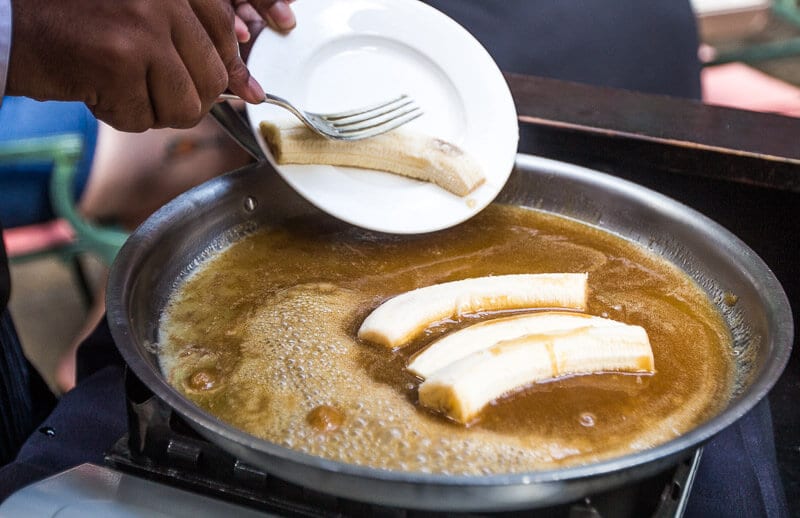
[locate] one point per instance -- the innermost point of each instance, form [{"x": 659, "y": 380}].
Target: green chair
[
  {"x": 786, "y": 10},
  {"x": 64, "y": 151}
]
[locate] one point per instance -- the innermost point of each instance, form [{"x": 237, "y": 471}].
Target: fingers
[
  {"x": 132, "y": 112},
  {"x": 199, "y": 51},
  {"x": 176, "y": 72},
  {"x": 178, "y": 98},
  {"x": 281, "y": 16},
  {"x": 277, "y": 12},
  {"x": 258, "y": 14},
  {"x": 149, "y": 63},
  {"x": 255, "y": 24},
  {"x": 184, "y": 82},
  {"x": 241, "y": 83},
  {"x": 241, "y": 30},
  {"x": 218, "y": 19}
]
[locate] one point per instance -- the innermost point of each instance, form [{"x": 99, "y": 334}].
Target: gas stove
[
  {"x": 162, "y": 467},
  {"x": 162, "y": 448}
]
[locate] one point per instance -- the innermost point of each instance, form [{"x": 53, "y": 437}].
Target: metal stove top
[{"x": 162, "y": 460}]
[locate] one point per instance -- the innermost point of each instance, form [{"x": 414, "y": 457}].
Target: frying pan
[{"x": 196, "y": 225}]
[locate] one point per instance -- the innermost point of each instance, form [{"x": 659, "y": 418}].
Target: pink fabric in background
[
  {"x": 740, "y": 86},
  {"x": 37, "y": 238}
]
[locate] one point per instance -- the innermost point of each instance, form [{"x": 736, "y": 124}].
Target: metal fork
[{"x": 360, "y": 123}]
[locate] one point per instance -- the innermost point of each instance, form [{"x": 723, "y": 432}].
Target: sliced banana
[
  {"x": 461, "y": 389},
  {"x": 398, "y": 320},
  {"x": 401, "y": 151},
  {"x": 464, "y": 342}
]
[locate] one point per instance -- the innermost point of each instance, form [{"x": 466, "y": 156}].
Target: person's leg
[{"x": 65, "y": 368}]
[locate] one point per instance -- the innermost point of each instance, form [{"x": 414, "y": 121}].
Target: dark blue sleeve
[
  {"x": 85, "y": 423},
  {"x": 648, "y": 46},
  {"x": 738, "y": 474}
]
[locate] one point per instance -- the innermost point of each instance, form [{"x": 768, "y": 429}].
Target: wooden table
[{"x": 611, "y": 129}]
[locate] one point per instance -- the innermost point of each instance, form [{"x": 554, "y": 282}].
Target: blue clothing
[
  {"x": 25, "y": 399},
  {"x": 24, "y": 188},
  {"x": 648, "y": 46}
]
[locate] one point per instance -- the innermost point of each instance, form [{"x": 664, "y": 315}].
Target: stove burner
[{"x": 160, "y": 446}]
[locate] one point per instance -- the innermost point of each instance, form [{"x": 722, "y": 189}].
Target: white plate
[{"x": 349, "y": 53}]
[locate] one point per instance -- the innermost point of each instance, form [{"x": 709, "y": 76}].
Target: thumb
[{"x": 241, "y": 83}]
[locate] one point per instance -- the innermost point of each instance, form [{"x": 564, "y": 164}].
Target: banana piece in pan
[
  {"x": 400, "y": 319},
  {"x": 461, "y": 343},
  {"x": 402, "y": 151},
  {"x": 461, "y": 389}
]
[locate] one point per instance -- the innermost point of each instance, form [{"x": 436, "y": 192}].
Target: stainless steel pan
[{"x": 190, "y": 229}]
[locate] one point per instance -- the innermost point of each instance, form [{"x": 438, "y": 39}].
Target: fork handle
[
  {"x": 268, "y": 98},
  {"x": 225, "y": 96},
  {"x": 277, "y": 101}
]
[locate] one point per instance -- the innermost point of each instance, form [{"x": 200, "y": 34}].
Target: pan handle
[{"x": 234, "y": 125}]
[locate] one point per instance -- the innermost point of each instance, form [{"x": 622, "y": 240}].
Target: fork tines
[{"x": 380, "y": 117}]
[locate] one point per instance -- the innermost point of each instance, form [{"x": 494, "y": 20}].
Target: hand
[
  {"x": 252, "y": 15},
  {"x": 137, "y": 64},
  {"x": 250, "y": 21}
]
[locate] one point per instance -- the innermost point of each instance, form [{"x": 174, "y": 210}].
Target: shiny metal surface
[
  {"x": 91, "y": 490},
  {"x": 190, "y": 228},
  {"x": 236, "y": 127}
]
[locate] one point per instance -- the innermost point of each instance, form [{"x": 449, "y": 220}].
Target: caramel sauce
[
  {"x": 272, "y": 321},
  {"x": 202, "y": 380},
  {"x": 325, "y": 418}
]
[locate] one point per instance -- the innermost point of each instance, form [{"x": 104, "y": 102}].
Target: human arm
[{"x": 137, "y": 64}]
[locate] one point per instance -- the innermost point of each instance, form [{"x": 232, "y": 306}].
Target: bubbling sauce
[{"x": 263, "y": 336}]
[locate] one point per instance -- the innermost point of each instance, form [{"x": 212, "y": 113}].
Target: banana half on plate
[{"x": 348, "y": 54}]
